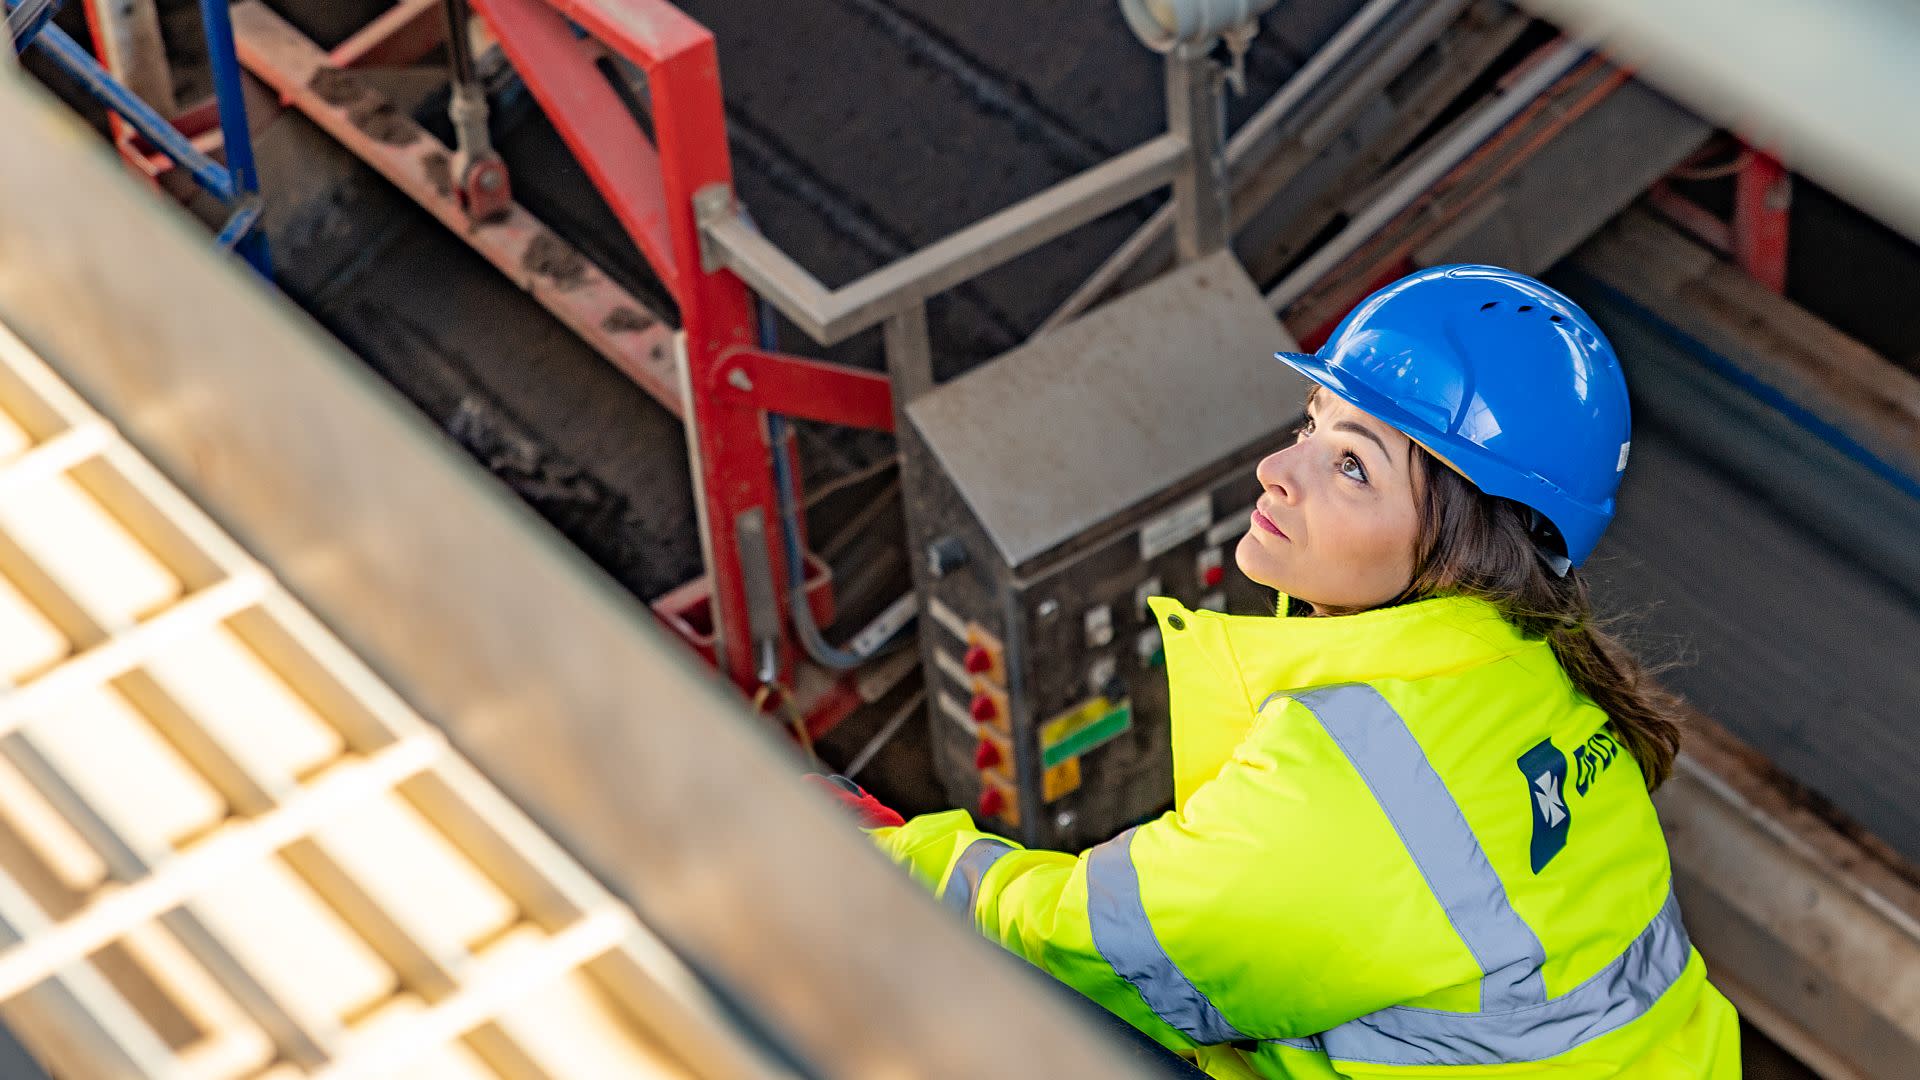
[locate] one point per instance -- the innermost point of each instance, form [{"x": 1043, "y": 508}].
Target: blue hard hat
[{"x": 1503, "y": 378}]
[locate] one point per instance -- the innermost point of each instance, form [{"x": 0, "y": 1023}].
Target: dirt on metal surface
[
  {"x": 369, "y": 110},
  {"x": 440, "y": 172},
  {"x": 557, "y": 262},
  {"x": 627, "y": 320}
]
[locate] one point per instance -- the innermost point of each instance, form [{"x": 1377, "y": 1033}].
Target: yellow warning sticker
[{"x": 1062, "y": 779}]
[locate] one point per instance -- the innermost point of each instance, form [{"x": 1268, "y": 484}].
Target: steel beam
[
  {"x": 561, "y": 71},
  {"x": 1255, "y": 149},
  {"x": 1813, "y": 932},
  {"x": 1418, "y": 180},
  {"x": 402, "y": 34},
  {"x": 808, "y": 389},
  {"x": 608, "y": 318},
  {"x": 829, "y": 316},
  {"x": 1196, "y": 114},
  {"x": 909, "y": 347},
  {"x": 1829, "y": 86},
  {"x": 1306, "y": 187},
  {"x": 652, "y": 194},
  {"x": 1762, "y": 199}
]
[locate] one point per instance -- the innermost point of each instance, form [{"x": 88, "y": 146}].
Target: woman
[{"x": 1411, "y": 831}]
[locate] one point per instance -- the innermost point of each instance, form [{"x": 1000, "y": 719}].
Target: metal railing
[{"x": 235, "y": 182}]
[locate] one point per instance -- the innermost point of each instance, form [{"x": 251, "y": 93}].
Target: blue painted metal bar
[
  {"x": 238, "y": 181},
  {"x": 239, "y": 225},
  {"x": 25, "y": 22},
  {"x": 217, "y": 22},
  {"x": 80, "y": 64},
  {"x": 1758, "y": 388},
  {"x": 252, "y": 246}
]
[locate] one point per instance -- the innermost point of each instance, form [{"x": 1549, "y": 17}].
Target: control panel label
[
  {"x": 1062, "y": 779},
  {"x": 1082, "y": 728},
  {"x": 1176, "y": 526}
]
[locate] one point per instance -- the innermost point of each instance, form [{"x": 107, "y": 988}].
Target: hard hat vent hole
[
  {"x": 1490, "y": 305},
  {"x": 1555, "y": 318},
  {"x": 1526, "y": 307}
]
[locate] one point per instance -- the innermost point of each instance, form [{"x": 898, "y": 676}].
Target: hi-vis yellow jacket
[{"x": 1401, "y": 845}]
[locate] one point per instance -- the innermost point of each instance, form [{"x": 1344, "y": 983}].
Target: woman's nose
[{"x": 1275, "y": 475}]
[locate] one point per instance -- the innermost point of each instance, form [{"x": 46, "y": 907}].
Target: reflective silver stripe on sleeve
[
  {"x": 1125, "y": 938},
  {"x": 963, "y": 883},
  {"x": 1619, "y": 994},
  {"x": 1436, "y": 834}
]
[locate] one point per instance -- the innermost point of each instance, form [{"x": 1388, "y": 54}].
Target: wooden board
[{"x": 167, "y": 699}]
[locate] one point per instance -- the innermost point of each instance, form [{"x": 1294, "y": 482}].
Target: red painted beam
[
  {"x": 344, "y": 105},
  {"x": 646, "y": 32},
  {"x": 1762, "y": 197},
  {"x": 808, "y": 389},
  {"x": 651, "y": 192},
  {"x": 594, "y": 122}
]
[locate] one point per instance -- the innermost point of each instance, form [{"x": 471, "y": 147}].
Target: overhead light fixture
[{"x": 1162, "y": 25}]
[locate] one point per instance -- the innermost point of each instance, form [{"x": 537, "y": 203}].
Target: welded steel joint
[{"x": 711, "y": 205}]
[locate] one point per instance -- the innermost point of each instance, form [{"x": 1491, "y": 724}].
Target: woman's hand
[{"x": 869, "y": 810}]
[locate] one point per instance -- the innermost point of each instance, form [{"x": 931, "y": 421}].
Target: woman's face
[{"x": 1336, "y": 523}]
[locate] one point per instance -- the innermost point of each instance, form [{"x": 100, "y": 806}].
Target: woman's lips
[{"x": 1261, "y": 520}]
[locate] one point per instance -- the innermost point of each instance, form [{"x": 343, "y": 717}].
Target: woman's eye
[
  {"x": 1305, "y": 429},
  {"x": 1351, "y": 468}
]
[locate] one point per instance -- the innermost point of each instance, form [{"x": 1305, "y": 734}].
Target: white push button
[{"x": 1099, "y": 624}]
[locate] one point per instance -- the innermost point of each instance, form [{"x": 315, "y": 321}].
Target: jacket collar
[{"x": 1411, "y": 641}]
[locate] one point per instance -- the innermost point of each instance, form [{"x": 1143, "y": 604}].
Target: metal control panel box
[{"x": 1049, "y": 494}]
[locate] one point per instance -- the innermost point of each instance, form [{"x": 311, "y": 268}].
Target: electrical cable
[{"x": 887, "y": 631}]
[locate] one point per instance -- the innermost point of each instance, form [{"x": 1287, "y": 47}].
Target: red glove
[{"x": 871, "y": 812}]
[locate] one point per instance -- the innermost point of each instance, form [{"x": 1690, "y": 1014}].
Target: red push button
[
  {"x": 1213, "y": 576},
  {"x": 978, "y": 660},
  {"x": 986, "y": 755},
  {"x": 982, "y": 709},
  {"x": 992, "y": 801}
]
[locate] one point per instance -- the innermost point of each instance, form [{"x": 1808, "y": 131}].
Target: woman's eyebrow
[{"x": 1348, "y": 425}]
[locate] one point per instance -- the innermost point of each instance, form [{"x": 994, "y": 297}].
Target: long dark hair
[{"x": 1473, "y": 544}]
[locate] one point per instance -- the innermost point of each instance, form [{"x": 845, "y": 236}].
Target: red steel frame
[
  {"x": 200, "y": 123},
  {"x": 650, "y": 185},
  {"x": 1762, "y": 196},
  {"x": 1756, "y": 237}
]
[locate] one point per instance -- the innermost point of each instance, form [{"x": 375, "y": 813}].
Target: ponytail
[{"x": 1472, "y": 544}]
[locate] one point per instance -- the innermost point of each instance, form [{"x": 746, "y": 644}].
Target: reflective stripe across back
[
  {"x": 1517, "y": 1021},
  {"x": 1619, "y": 994},
  {"x": 1436, "y": 834}
]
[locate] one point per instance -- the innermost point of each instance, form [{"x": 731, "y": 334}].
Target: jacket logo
[
  {"x": 1545, "y": 768},
  {"x": 1547, "y": 794},
  {"x": 1591, "y": 760}
]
